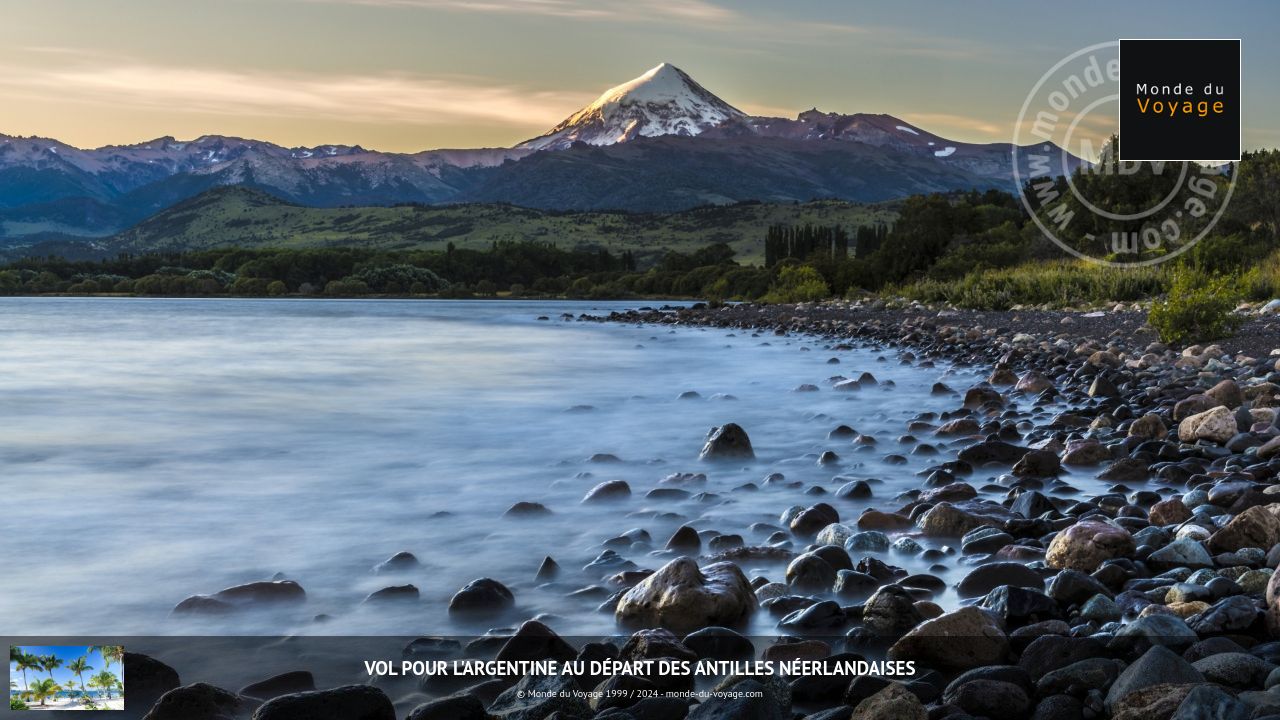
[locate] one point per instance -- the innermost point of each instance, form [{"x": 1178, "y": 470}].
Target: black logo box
[{"x": 1189, "y": 64}]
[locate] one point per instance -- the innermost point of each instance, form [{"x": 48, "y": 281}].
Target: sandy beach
[{"x": 75, "y": 704}]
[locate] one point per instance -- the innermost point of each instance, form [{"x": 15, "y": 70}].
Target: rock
[
  {"x": 395, "y": 593},
  {"x": 548, "y": 570},
  {"x": 1207, "y": 702},
  {"x": 809, "y": 521},
  {"x": 682, "y": 597},
  {"x": 854, "y": 585},
  {"x": 400, "y": 562},
  {"x": 1230, "y": 614},
  {"x": 685, "y": 539},
  {"x": 351, "y": 702},
  {"x": 608, "y": 491},
  {"x": 148, "y": 678},
  {"x": 199, "y": 701},
  {"x": 958, "y": 640},
  {"x": 484, "y": 596},
  {"x": 867, "y": 541},
  {"x": 1148, "y": 427},
  {"x": 1169, "y": 512},
  {"x": 536, "y": 697},
  {"x": 834, "y": 534},
  {"x": 535, "y": 641},
  {"x": 825, "y": 615},
  {"x": 727, "y": 442},
  {"x": 527, "y": 509},
  {"x": 1047, "y": 653},
  {"x": 1235, "y": 669},
  {"x": 719, "y": 643},
  {"x": 1019, "y": 606},
  {"x": 1151, "y": 703},
  {"x": 1038, "y": 463},
  {"x": 1085, "y": 545},
  {"x": 960, "y": 426},
  {"x": 1256, "y": 527},
  {"x": 894, "y": 702},
  {"x": 946, "y": 520},
  {"x": 250, "y": 595},
  {"x": 1226, "y": 393},
  {"x": 1217, "y": 425},
  {"x": 1156, "y": 629},
  {"x": 890, "y": 612},
  {"x": 282, "y": 684},
  {"x": 992, "y": 451},
  {"x": 1031, "y": 503},
  {"x": 995, "y": 699},
  {"x": 1072, "y": 587},
  {"x": 1033, "y": 383},
  {"x": 810, "y": 573},
  {"x": 985, "y": 578},
  {"x": 457, "y": 707},
  {"x": 878, "y": 520},
  {"x": 1181, "y": 553},
  {"x": 1080, "y": 677},
  {"x": 1157, "y": 666},
  {"x": 1100, "y": 609},
  {"x": 1103, "y": 387},
  {"x": 1085, "y": 452}
]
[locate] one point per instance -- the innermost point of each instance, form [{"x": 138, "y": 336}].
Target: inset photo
[{"x": 66, "y": 677}]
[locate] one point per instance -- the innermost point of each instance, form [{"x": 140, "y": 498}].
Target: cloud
[
  {"x": 399, "y": 98},
  {"x": 934, "y": 121}
]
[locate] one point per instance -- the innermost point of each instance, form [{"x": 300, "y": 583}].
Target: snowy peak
[{"x": 663, "y": 101}]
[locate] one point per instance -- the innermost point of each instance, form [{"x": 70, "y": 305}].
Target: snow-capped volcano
[{"x": 663, "y": 101}]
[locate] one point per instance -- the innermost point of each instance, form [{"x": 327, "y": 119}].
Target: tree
[
  {"x": 1257, "y": 193},
  {"x": 105, "y": 680},
  {"x": 24, "y": 662},
  {"x": 79, "y": 667},
  {"x": 50, "y": 663},
  {"x": 43, "y": 689}
]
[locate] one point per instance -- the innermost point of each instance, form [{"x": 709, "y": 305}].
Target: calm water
[{"x": 155, "y": 449}]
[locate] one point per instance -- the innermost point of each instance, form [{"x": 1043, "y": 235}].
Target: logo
[{"x": 1082, "y": 196}]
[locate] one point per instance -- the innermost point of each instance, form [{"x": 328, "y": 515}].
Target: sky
[
  {"x": 410, "y": 75},
  {"x": 62, "y": 676}
]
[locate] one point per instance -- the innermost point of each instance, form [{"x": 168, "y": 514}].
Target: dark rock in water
[
  {"x": 535, "y": 641},
  {"x": 683, "y": 597},
  {"x": 1059, "y": 707},
  {"x": 810, "y": 573},
  {"x": 1085, "y": 545},
  {"x": 199, "y": 701},
  {"x": 1232, "y": 614},
  {"x": 1207, "y": 702},
  {"x": 958, "y": 640},
  {"x": 608, "y": 491},
  {"x": 685, "y": 539},
  {"x": 1020, "y": 606},
  {"x": 431, "y": 648},
  {"x": 400, "y": 562},
  {"x": 994, "y": 699},
  {"x": 855, "y": 490},
  {"x": 826, "y": 615},
  {"x": 719, "y": 643},
  {"x": 1102, "y": 387},
  {"x": 457, "y": 707},
  {"x": 394, "y": 593},
  {"x": 527, "y": 509},
  {"x": 854, "y": 585},
  {"x": 1003, "y": 673},
  {"x": 985, "y": 578},
  {"x": 607, "y": 458},
  {"x": 539, "y": 696},
  {"x": 148, "y": 678},
  {"x": 812, "y": 519},
  {"x": 1125, "y": 470},
  {"x": 940, "y": 389},
  {"x": 1158, "y": 629},
  {"x": 548, "y": 570},
  {"x": 621, "y": 691},
  {"x": 482, "y": 597},
  {"x": 1032, "y": 504},
  {"x": 828, "y": 458},
  {"x": 655, "y": 643},
  {"x": 250, "y": 595},
  {"x": 842, "y": 432},
  {"x": 1038, "y": 464},
  {"x": 282, "y": 684},
  {"x": 979, "y": 395},
  {"x": 1157, "y": 666},
  {"x": 821, "y": 689},
  {"x": 992, "y": 451},
  {"x": 890, "y": 612},
  {"x": 727, "y": 442}
]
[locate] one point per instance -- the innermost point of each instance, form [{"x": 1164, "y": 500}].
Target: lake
[{"x": 154, "y": 449}]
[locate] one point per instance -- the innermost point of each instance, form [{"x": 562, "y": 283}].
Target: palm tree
[
  {"x": 105, "y": 680},
  {"x": 110, "y": 654},
  {"x": 24, "y": 662},
  {"x": 79, "y": 667},
  {"x": 50, "y": 663},
  {"x": 43, "y": 689}
]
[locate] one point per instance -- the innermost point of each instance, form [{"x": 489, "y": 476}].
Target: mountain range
[{"x": 658, "y": 143}]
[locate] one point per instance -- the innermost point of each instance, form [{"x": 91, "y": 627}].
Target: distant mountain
[
  {"x": 663, "y": 101},
  {"x": 661, "y": 142}
]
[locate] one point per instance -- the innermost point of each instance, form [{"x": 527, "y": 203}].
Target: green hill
[{"x": 243, "y": 217}]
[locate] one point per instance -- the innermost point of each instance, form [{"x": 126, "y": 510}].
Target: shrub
[
  {"x": 276, "y": 288},
  {"x": 346, "y": 287},
  {"x": 16, "y": 704},
  {"x": 1197, "y": 308},
  {"x": 798, "y": 283},
  {"x": 397, "y": 278}
]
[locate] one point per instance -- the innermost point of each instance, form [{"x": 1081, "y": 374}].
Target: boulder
[
  {"x": 682, "y": 597},
  {"x": 484, "y": 596},
  {"x": 727, "y": 442},
  {"x": 958, "y": 640},
  {"x": 1256, "y": 527},
  {"x": 352, "y": 702},
  {"x": 1157, "y": 666},
  {"x": 890, "y": 612},
  {"x": 1217, "y": 425},
  {"x": 1085, "y": 545},
  {"x": 1148, "y": 427},
  {"x": 540, "y": 696},
  {"x": 985, "y": 578},
  {"x": 199, "y": 701},
  {"x": 894, "y": 702},
  {"x": 282, "y": 684}
]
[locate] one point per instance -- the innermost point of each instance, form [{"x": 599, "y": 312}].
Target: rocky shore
[{"x": 1149, "y": 595}]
